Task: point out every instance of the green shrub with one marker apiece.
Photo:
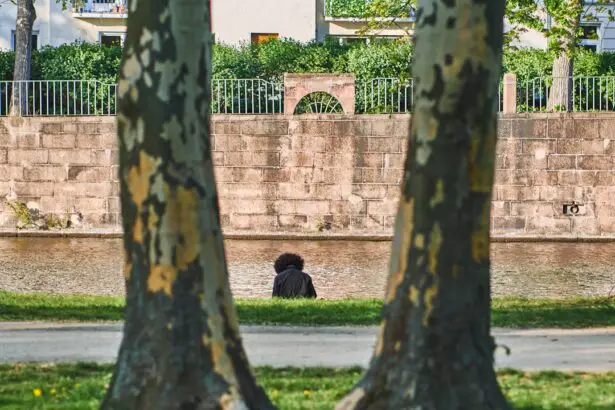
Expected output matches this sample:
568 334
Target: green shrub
384 58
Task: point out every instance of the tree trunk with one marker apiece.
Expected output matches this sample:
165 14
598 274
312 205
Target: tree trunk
434 350
560 94
181 347
26 14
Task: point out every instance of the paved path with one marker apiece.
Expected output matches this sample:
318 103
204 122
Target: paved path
588 350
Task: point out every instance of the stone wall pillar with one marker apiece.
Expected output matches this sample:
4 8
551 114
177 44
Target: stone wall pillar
510 93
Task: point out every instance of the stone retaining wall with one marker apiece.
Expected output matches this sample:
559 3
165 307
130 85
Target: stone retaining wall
299 174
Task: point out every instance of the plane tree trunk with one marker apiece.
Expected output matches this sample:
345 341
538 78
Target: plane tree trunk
22 71
434 349
181 347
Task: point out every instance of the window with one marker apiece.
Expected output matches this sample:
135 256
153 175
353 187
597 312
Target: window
258 38
34 40
590 38
111 39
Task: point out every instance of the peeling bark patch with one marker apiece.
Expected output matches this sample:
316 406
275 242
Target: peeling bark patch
401 244
161 278
435 242
430 296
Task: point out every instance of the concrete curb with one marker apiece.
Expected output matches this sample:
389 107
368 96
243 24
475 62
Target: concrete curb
297 236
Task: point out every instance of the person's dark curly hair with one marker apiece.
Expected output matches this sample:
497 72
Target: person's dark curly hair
287 259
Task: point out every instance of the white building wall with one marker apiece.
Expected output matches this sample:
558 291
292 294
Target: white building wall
235 20
56 26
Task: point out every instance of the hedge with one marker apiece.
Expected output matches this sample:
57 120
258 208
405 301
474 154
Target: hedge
86 61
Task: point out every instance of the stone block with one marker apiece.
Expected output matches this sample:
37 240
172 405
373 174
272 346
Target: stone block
591 162
518 193
509 146
382 207
114 205
293 221
561 194
543 177
504 128
8 140
276 174
251 175
391 128
85 189
371 222
226 127
88 204
586 129
28 156
52 128
53 173
70 156
500 208
530 162
327 191
394 161
384 145
532 208
569 146
509 223
558 161
264 127
218 158
538 147
605 178
98 141
253 222
372 175
28 141
88 174
548 226
11 173
33 189
311 143
350 207
369 160
228 143
59 140
4 156
104 157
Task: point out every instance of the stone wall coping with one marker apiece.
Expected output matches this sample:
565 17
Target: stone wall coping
302 236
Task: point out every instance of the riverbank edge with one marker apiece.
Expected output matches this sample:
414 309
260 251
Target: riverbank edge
297 236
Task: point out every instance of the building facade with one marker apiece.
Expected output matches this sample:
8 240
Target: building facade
237 21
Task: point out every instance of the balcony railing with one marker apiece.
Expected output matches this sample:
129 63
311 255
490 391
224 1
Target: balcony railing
359 8
103 7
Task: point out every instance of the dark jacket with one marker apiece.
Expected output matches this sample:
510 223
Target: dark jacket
292 283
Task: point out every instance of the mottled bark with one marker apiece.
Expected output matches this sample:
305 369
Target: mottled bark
560 93
434 350
181 347
26 14
564 42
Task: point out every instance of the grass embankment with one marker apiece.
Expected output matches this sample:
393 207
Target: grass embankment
507 312
82 386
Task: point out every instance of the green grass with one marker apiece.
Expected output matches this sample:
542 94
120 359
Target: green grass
507 312
82 386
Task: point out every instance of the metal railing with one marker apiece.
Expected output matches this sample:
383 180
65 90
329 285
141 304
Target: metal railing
577 94
384 96
58 98
358 9
246 96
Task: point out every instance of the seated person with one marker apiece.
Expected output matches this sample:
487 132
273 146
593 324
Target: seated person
290 280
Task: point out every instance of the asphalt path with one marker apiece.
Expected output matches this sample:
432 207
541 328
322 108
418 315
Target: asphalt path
278 346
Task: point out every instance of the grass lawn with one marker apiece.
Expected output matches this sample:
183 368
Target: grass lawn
507 312
82 386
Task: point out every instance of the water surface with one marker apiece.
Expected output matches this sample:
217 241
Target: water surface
339 268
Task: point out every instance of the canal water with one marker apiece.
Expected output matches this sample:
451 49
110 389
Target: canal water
339 268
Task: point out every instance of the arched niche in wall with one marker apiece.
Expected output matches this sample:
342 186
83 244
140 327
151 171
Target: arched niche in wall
339 86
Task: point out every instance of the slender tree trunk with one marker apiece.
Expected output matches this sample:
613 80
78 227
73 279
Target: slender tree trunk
26 14
434 350
181 347
560 96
